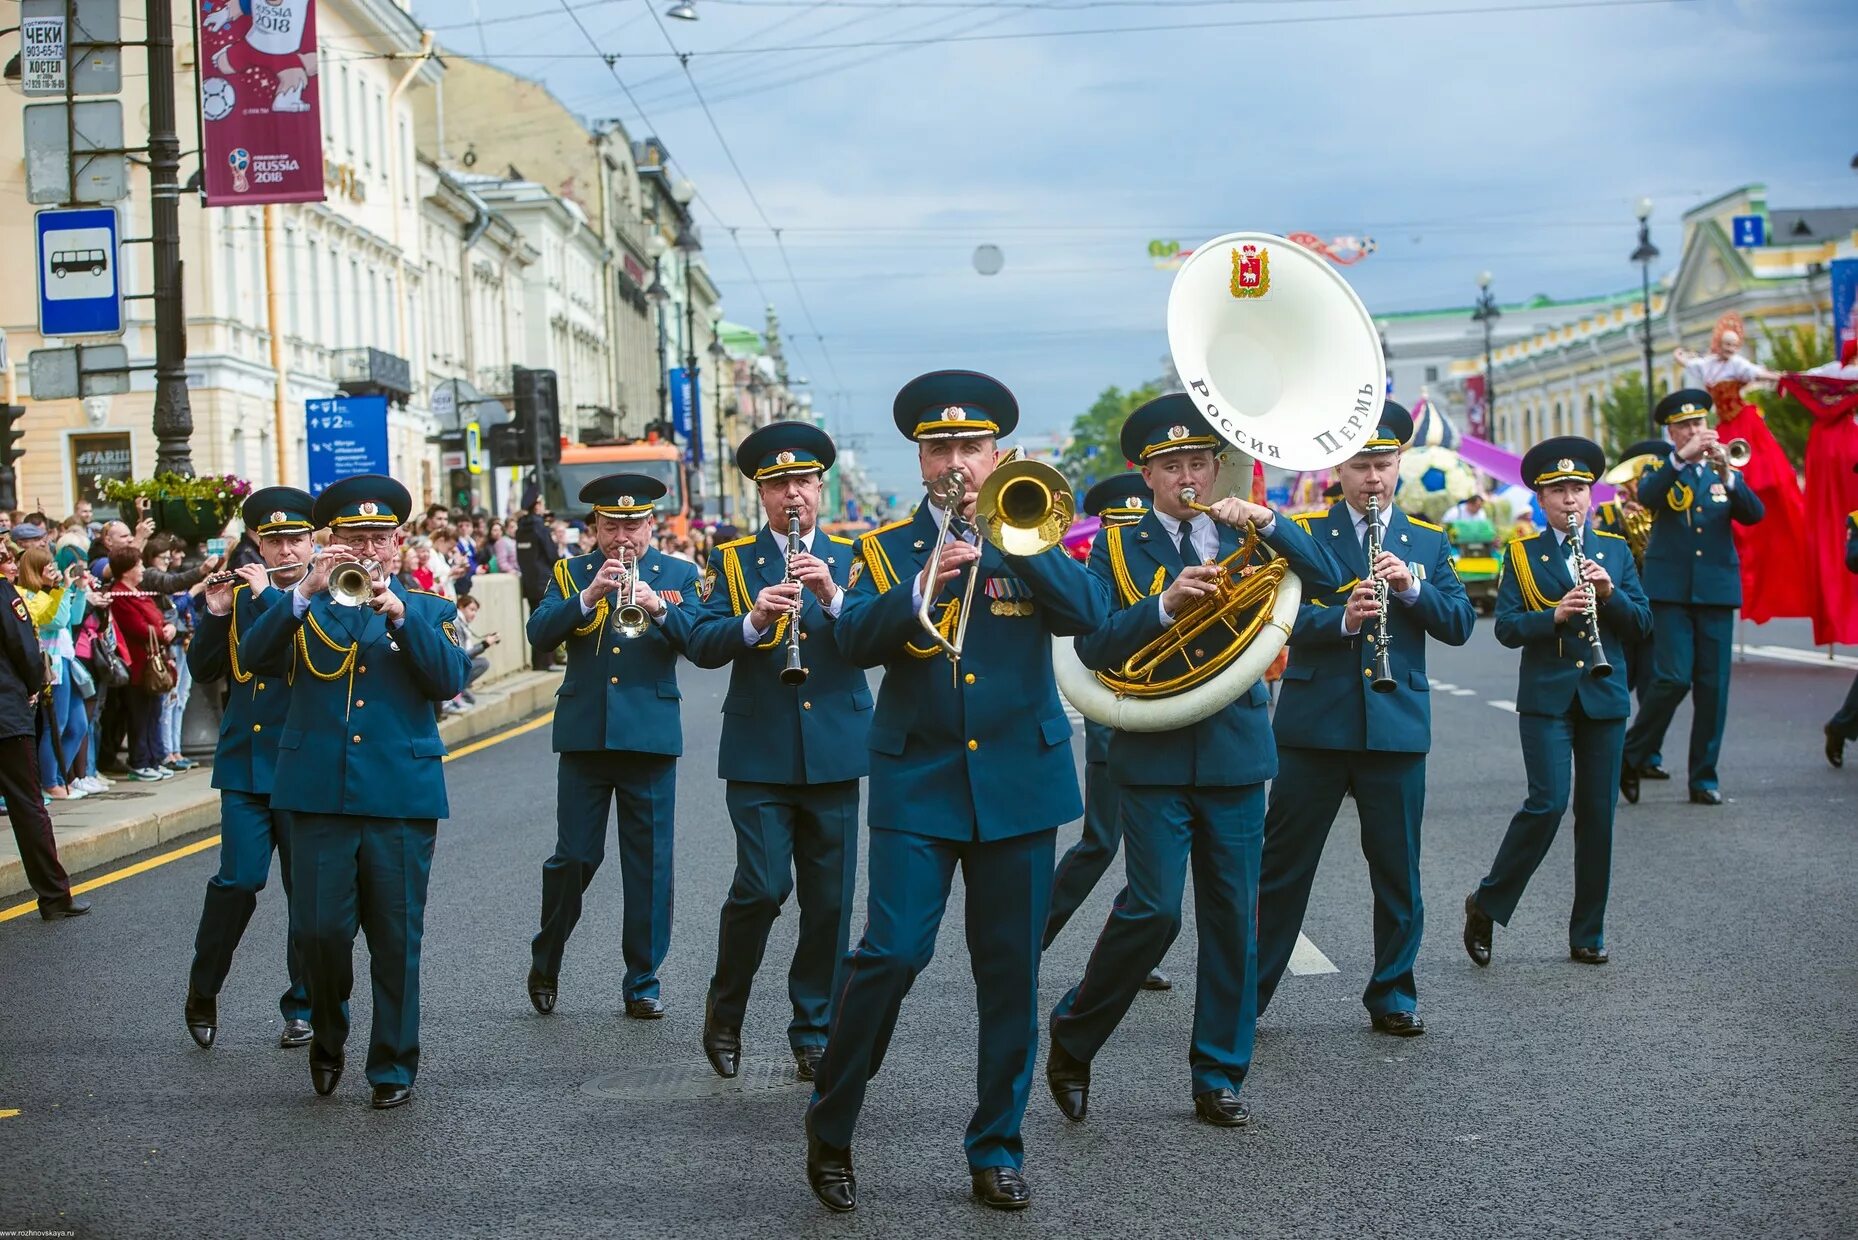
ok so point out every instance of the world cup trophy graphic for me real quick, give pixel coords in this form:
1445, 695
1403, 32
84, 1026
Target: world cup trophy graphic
240, 160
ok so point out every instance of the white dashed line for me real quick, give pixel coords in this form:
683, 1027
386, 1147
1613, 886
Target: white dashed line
1307, 959
1464, 692
1501, 704
1442, 687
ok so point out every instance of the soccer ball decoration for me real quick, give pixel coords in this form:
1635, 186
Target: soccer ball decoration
217, 98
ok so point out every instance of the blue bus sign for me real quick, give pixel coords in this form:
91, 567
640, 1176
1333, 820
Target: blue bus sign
80, 293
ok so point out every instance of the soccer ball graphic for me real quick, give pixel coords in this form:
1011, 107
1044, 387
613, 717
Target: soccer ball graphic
217, 98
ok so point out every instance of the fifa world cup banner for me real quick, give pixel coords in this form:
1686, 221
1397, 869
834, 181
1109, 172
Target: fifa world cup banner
260, 96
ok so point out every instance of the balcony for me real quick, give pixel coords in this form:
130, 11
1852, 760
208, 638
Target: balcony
372, 372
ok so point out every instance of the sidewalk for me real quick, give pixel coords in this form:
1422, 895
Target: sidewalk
132, 817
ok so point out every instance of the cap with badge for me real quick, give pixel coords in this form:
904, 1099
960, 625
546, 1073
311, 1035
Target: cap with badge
362, 502
782, 449
1683, 405
625, 496
955, 404
1170, 423
1120, 497
1392, 432
278, 510
1332, 492
1566, 458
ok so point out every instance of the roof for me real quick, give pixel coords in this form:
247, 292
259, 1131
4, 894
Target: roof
1798, 225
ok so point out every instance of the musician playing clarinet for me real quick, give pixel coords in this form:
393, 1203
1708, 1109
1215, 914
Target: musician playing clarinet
795, 725
1570, 600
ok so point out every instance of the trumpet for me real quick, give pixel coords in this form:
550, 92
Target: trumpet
630, 618
1734, 454
1577, 527
1383, 681
794, 673
351, 583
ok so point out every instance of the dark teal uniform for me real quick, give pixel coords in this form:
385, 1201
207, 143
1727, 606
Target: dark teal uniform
359, 771
1693, 578
619, 733
1195, 792
1336, 736
1565, 713
791, 756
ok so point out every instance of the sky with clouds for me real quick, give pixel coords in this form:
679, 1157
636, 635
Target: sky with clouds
886, 140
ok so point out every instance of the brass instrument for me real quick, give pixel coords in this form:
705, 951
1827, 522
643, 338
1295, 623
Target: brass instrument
1734, 454
351, 582
1597, 666
630, 618
793, 673
1383, 681
1634, 523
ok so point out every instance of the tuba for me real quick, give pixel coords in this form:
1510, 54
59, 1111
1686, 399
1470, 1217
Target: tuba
1285, 362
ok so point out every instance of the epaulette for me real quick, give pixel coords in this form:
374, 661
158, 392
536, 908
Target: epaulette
894, 525
1426, 525
428, 593
843, 542
1609, 534
1303, 519
736, 542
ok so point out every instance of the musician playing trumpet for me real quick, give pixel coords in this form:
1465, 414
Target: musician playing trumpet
792, 753
1549, 600
619, 731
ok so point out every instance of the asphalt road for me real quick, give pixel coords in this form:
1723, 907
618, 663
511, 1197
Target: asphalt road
1702, 1084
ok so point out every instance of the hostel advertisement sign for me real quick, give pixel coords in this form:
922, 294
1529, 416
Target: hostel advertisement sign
260, 96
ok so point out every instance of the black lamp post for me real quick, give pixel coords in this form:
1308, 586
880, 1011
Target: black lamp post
1643, 256
687, 245
1487, 314
657, 295
717, 354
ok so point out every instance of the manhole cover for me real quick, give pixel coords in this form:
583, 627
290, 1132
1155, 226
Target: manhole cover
691, 1080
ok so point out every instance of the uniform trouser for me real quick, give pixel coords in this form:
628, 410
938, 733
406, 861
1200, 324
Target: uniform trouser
1086, 861
1221, 831
1845, 722
644, 787
32, 826
1689, 644
349, 873
1008, 883
541, 658
1549, 742
1639, 679
788, 836
1390, 796
248, 830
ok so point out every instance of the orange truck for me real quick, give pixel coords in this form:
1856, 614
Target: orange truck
581, 463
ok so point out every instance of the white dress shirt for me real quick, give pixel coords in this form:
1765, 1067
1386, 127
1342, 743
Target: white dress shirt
751, 635
1406, 597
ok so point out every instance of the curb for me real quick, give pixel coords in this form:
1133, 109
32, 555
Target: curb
510, 701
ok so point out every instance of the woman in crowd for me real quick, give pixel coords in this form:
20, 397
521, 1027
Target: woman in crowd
50, 600
144, 633
177, 609
502, 558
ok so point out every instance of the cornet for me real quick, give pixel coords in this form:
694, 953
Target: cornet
630, 618
1733, 454
351, 583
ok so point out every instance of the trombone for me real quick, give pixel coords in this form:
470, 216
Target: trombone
630, 618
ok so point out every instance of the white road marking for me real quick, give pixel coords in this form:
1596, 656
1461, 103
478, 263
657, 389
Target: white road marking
1502, 704
1464, 692
1306, 959
1790, 654
1442, 687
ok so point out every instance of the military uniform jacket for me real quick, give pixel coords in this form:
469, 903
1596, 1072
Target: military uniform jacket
1231, 748
1690, 557
359, 736
256, 706
1326, 701
22, 670
812, 733
1555, 656
981, 751
619, 692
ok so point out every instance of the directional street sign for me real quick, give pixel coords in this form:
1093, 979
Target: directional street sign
346, 435
79, 292
1749, 231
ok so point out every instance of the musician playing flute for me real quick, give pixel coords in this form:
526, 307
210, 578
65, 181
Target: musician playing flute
1340, 732
619, 731
1555, 592
795, 725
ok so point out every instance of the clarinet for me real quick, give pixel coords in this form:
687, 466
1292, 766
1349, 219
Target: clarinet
1598, 666
1383, 681
793, 673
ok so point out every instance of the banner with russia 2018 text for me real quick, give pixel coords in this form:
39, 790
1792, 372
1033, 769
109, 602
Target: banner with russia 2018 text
260, 99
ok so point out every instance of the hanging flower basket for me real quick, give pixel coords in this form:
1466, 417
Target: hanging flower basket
193, 508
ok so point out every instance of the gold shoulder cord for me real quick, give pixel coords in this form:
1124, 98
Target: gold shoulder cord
566, 584
1119, 568
1517, 562
877, 562
232, 638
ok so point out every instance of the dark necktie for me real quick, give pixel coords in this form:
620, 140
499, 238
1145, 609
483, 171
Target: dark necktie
1189, 555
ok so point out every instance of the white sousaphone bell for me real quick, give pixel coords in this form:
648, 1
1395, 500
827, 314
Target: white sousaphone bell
1285, 363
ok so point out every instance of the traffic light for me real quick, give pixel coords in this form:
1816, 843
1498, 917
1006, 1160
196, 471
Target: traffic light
10, 451
538, 413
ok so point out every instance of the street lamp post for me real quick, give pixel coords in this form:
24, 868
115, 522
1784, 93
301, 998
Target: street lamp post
687, 245
1643, 256
716, 411
655, 245
1487, 314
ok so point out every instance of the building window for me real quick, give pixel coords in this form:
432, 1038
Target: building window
314, 292
342, 104
1432, 374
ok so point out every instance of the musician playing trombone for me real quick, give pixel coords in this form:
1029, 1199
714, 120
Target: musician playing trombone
971, 768
795, 725
1190, 793
1569, 599
618, 731
1340, 729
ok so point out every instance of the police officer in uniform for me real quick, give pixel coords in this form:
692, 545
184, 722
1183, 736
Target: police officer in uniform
22, 679
1566, 712
971, 767
619, 732
1843, 726
359, 771
245, 760
535, 564
1190, 794
792, 753
1693, 578
1336, 735
1120, 499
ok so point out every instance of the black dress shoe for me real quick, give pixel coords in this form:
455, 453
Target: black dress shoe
541, 992
1157, 980
1000, 1188
806, 1061
722, 1046
1400, 1024
1653, 771
296, 1033
645, 1009
325, 1076
1588, 955
1221, 1108
1705, 796
1629, 784
76, 906
1835, 747
1069, 1079
829, 1172
387, 1097
202, 1013
1476, 932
